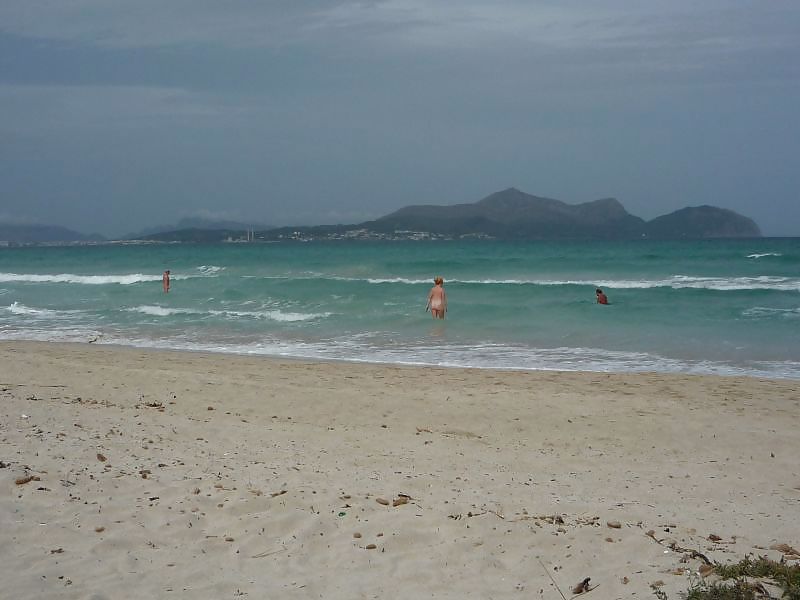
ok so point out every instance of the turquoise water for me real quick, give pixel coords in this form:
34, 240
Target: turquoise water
721, 306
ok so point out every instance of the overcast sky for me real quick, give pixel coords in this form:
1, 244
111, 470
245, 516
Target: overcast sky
117, 115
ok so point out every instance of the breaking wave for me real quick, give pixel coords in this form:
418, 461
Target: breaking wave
129, 279
20, 309
120, 279
675, 282
766, 312
271, 315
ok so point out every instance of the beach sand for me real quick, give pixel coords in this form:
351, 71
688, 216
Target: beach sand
163, 474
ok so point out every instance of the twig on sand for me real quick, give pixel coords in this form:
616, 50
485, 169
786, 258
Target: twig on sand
551, 579
263, 554
675, 548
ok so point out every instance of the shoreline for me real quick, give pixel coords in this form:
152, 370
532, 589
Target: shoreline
421, 365
169, 472
309, 361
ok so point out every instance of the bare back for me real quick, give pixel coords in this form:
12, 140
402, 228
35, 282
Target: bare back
437, 301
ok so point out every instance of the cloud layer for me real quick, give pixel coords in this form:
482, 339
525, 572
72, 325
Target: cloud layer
289, 111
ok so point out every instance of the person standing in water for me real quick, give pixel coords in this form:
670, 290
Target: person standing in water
165, 281
437, 299
601, 297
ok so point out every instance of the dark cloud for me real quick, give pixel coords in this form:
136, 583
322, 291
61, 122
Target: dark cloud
119, 115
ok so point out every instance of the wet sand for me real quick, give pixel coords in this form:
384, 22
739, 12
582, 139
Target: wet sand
174, 474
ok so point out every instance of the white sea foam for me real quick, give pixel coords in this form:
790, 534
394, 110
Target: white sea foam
271, 315
707, 283
60, 334
764, 254
159, 311
766, 311
357, 348
691, 282
210, 269
122, 279
394, 280
20, 309
277, 315
483, 356
81, 279
736, 283
675, 282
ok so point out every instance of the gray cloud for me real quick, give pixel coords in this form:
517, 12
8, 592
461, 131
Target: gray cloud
62, 107
147, 23
466, 23
113, 112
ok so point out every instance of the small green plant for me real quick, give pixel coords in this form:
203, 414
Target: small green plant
658, 592
736, 581
740, 590
788, 577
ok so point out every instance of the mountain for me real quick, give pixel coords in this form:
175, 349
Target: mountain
509, 214
515, 214
702, 222
195, 223
39, 234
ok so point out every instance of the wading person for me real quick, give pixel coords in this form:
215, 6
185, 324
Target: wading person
437, 299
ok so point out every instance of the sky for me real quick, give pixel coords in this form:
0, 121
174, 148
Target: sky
117, 115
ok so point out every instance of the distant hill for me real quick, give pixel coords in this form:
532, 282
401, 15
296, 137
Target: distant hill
40, 234
702, 222
509, 214
515, 214
197, 224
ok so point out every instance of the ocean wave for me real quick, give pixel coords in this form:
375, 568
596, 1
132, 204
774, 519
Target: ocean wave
675, 282
708, 283
688, 282
766, 311
121, 279
61, 334
20, 309
271, 315
479, 356
128, 279
736, 283
210, 269
764, 254
160, 311
392, 280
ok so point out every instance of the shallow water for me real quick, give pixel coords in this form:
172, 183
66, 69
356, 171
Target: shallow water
718, 306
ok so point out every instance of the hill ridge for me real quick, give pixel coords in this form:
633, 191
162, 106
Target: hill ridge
514, 214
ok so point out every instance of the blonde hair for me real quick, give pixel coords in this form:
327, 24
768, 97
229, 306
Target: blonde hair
438, 280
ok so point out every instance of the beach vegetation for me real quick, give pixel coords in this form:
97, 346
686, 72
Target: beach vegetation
746, 580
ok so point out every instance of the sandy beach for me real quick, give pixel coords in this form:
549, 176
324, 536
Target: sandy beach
133, 473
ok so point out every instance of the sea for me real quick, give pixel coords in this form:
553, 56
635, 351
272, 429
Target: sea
727, 307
